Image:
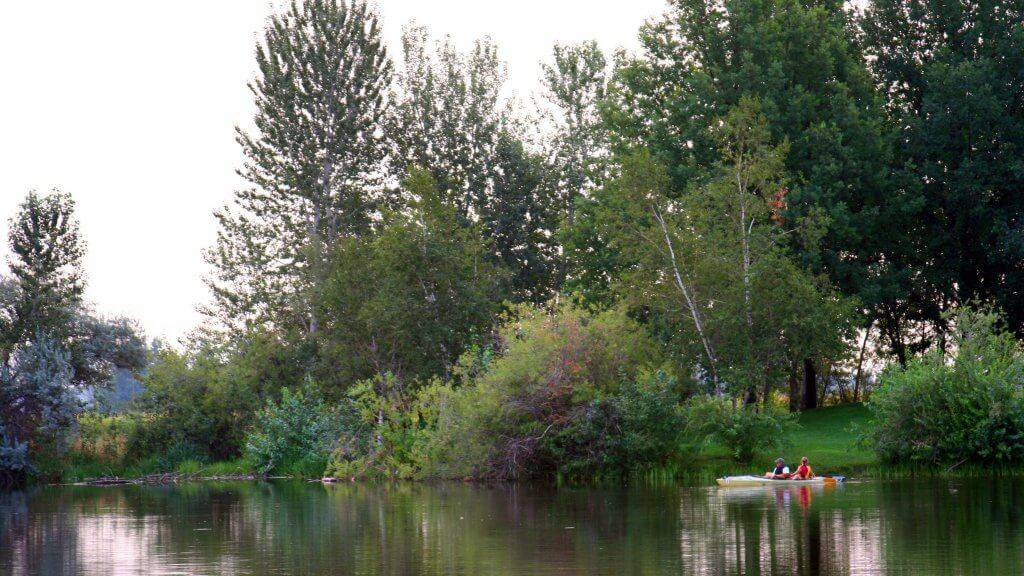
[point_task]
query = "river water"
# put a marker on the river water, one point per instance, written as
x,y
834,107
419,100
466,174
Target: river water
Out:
x,y
295,528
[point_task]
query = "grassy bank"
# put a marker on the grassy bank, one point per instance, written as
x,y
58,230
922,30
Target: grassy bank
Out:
x,y
827,436
824,435
78,469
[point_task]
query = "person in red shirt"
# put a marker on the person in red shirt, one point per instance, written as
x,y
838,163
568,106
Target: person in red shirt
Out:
x,y
804,472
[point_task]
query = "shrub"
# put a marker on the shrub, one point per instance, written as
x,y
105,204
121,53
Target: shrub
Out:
x,y
189,467
561,397
745,431
38,406
179,453
638,427
187,407
204,401
392,434
297,434
14,461
966,405
104,438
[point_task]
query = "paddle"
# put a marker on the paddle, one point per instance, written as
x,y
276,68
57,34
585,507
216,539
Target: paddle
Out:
x,y
834,479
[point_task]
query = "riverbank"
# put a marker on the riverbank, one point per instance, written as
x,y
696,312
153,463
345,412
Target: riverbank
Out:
x,y
81,470
827,436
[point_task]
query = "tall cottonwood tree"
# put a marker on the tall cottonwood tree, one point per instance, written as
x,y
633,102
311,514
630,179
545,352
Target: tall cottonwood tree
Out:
x,y
574,86
452,121
801,61
46,259
313,164
450,115
952,74
713,265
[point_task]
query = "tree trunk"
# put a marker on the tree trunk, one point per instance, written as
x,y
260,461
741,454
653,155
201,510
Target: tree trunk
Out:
x,y
810,395
823,388
891,328
690,302
751,396
794,389
860,362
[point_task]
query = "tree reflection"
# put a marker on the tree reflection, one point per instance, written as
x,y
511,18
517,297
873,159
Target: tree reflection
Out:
x,y
302,528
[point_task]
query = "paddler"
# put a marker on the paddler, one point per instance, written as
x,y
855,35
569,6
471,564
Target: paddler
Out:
x,y
804,472
780,472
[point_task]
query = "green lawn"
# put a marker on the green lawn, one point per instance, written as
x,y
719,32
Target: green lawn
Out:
x,y
828,438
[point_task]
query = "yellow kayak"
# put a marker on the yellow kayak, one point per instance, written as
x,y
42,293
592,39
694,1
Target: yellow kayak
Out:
x,y
730,481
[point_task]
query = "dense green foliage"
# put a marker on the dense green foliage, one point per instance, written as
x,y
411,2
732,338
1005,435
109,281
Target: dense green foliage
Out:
x,y
452,120
409,299
566,393
298,434
190,408
712,263
201,403
414,282
744,432
52,349
639,427
952,73
964,405
800,61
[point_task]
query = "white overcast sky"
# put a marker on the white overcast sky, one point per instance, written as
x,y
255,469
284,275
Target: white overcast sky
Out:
x,y
130,106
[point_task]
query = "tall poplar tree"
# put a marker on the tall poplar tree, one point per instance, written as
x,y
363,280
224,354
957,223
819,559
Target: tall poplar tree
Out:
x,y
450,115
46,267
452,121
953,74
574,86
802,63
314,164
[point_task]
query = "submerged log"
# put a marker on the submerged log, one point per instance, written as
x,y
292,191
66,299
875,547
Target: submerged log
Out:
x,y
106,481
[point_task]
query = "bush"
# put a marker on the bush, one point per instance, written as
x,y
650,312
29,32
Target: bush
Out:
x,y
188,407
105,439
203,402
298,434
745,431
393,431
14,461
967,405
179,453
560,397
639,427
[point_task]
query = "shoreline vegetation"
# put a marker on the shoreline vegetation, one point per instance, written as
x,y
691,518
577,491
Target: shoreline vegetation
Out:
x,y
746,239
826,436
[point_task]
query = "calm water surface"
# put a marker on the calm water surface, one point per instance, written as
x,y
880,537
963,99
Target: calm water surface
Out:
x,y
946,527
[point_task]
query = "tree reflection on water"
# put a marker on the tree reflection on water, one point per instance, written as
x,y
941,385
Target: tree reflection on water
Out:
x,y
301,528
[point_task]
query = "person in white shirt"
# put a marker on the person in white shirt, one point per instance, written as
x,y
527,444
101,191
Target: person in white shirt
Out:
x,y
781,471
